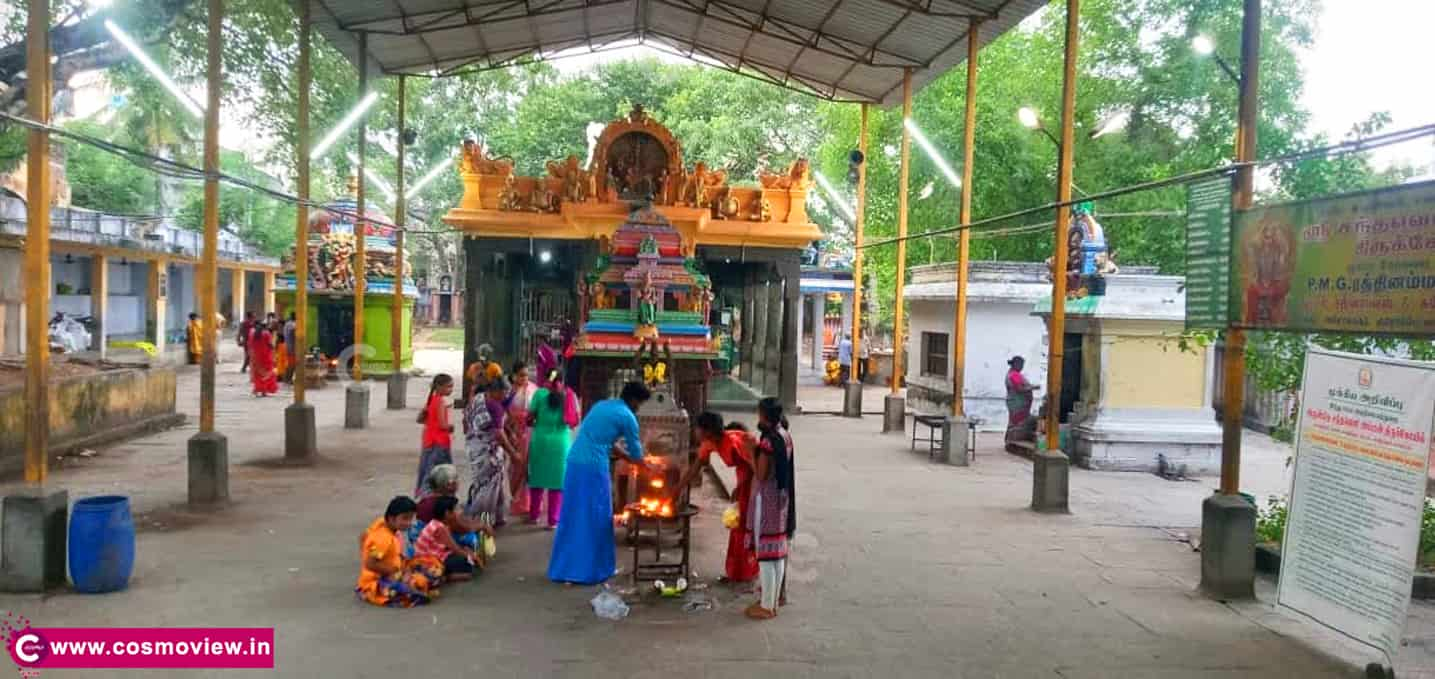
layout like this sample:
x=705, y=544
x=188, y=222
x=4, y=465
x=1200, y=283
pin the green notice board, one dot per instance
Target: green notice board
x=1208, y=253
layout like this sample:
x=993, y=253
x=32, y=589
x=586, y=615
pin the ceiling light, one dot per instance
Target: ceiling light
x=423, y=181
x=153, y=68
x=348, y=121
x=834, y=199
x=932, y=152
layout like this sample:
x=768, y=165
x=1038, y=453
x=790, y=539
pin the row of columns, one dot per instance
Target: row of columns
x=771, y=313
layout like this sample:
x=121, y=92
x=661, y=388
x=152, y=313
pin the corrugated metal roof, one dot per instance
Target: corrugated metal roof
x=849, y=50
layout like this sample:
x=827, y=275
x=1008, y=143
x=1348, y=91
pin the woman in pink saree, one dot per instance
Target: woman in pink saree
x=1020, y=425
x=519, y=432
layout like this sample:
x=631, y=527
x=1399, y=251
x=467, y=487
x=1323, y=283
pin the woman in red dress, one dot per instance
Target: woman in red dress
x=261, y=361
x=735, y=446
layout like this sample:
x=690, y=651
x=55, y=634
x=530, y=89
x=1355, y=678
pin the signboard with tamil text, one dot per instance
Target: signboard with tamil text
x=1358, y=494
x=1361, y=263
x=1208, y=253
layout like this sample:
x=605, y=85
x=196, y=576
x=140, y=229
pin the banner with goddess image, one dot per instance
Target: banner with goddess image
x=1360, y=262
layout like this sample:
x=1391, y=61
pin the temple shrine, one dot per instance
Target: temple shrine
x=331, y=286
x=636, y=250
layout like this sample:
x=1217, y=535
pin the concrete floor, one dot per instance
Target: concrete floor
x=902, y=568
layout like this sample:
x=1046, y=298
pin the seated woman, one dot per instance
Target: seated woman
x=436, y=542
x=385, y=577
x=442, y=482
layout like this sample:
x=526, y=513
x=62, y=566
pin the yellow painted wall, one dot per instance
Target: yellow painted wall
x=1149, y=371
x=83, y=406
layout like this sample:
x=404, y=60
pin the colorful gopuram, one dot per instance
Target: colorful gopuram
x=634, y=245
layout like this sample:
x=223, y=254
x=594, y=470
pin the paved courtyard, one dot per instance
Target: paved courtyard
x=902, y=568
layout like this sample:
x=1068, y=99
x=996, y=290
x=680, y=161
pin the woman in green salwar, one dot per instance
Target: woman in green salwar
x=553, y=412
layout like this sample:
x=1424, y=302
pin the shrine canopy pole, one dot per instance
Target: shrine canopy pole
x=396, y=324
x=37, y=244
x=857, y=225
x=301, y=228
x=361, y=262
x=898, y=325
x=964, y=244
x=1057, y=332
x=209, y=259
x=1234, y=359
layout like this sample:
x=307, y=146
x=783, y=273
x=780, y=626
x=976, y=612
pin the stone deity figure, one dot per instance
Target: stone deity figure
x=508, y=199
x=648, y=303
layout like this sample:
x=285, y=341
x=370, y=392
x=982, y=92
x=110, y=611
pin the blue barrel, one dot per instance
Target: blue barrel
x=102, y=544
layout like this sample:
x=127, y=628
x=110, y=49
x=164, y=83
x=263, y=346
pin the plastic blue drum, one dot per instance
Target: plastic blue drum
x=102, y=544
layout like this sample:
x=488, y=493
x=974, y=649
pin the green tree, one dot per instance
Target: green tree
x=102, y=181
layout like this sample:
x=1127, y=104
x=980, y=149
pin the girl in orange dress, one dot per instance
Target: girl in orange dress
x=385, y=579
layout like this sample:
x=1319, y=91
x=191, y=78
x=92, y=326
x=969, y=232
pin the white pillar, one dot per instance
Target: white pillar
x=99, y=302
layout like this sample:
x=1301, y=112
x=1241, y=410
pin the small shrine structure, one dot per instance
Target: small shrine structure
x=635, y=246
x=331, y=286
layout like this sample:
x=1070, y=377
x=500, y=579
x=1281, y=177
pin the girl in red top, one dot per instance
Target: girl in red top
x=735, y=446
x=438, y=432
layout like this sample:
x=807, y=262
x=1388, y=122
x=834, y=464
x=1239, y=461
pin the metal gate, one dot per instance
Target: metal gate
x=541, y=312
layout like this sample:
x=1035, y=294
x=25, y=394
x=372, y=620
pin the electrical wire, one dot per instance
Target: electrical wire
x=180, y=170
x=1343, y=148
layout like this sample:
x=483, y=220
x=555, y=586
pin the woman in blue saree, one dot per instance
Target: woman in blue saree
x=583, y=548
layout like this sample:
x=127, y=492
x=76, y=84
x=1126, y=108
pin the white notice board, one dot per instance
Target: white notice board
x=1362, y=451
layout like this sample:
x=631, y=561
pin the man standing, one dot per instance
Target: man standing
x=245, y=327
x=844, y=359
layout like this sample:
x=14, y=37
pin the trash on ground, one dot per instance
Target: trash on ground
x=609, y=606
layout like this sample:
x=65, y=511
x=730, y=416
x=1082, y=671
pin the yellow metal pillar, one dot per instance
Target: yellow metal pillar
x=398, y=383
x=209, y=257
x=894, y=408
x=356, y=396
x=208, y=453
x=100, y=302
x=852, y=400
x=301, y=227
x=1234, y=359
x=1057, y=331
x=899, y=324
x=300, y=436
x=361, y=262
x=959, y=335
x=37, y=245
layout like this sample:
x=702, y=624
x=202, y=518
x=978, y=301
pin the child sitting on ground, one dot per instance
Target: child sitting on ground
x=436, y=542
x=385, y=579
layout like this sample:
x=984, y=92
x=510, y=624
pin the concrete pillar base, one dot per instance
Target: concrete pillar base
x=301, y=442
x=1228, y=547
x=954, y=442
x=852, y=400
x=356, y=406
x=208, y=469
x=32, y=540
x=894, y=414
x=1050, y=482
x=398, y=391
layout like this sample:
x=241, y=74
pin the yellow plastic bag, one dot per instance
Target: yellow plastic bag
x=730, y=517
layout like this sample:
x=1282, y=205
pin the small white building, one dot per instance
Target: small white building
x=1000, y=325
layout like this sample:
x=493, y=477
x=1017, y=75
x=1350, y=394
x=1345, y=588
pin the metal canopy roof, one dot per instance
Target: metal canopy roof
x=846, y=50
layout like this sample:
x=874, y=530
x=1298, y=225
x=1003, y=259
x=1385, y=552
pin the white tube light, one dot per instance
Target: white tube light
x=428, y=177
x=932, y=152
x=835, y=199
x=149, y=64
x=348, y=121
x=374, y=178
